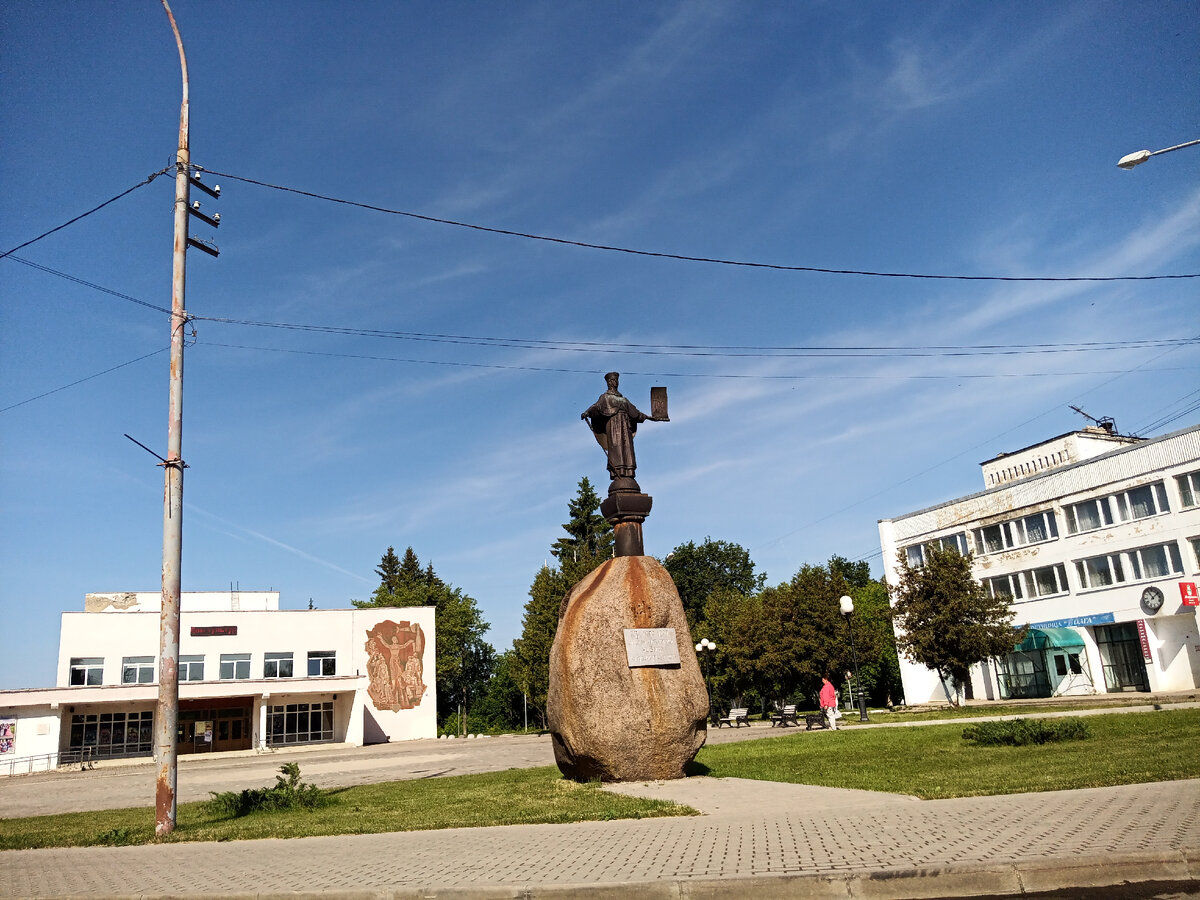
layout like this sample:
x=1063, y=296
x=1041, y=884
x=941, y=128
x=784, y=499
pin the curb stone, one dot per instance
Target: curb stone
x=1178, y=869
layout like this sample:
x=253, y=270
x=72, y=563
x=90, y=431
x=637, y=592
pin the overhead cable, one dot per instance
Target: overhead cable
x=750, y=375
x=148, y=179
x=686, y=258
x=93, y=285
x=742, y=350
x=82, y=380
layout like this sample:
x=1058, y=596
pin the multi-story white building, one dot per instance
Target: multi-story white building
x=251, y=676
x=1094, y=538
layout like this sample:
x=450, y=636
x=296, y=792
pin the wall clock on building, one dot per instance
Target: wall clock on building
x=1152, y=600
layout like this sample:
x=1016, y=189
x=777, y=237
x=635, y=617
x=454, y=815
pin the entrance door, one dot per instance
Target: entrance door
x=205, y=727
x=1121, y=656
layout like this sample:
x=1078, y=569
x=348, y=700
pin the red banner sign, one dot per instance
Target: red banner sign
x=213, y=630
x=1187, y=592
x=1145, y=639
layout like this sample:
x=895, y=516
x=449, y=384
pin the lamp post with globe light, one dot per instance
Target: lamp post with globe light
x=706, y=648
x=847, y=606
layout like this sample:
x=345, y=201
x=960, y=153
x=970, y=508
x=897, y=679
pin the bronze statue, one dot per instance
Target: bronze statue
x=614, y=421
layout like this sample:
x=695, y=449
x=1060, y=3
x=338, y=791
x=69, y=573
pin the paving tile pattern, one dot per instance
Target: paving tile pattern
x=778, y=839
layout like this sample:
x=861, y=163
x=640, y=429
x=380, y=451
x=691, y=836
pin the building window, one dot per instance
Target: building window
x=1100, y=571
x=300, y=723
x=322, y=662
x=1158, y=561
x=87, y=670
x=191, y=668
x=915, y=554
x=993, y=538
x=277, y=665
x=1047, y=581
x=113, y=734
x=1195, y=542
x=1088, y=515
x=235, y=666
x=1035, y=529
x=137, y=670
x=1142, y=502
x=1031, y=584
x=1189, y=489
x=1007, y=587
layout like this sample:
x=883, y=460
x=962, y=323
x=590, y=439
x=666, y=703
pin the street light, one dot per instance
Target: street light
x=706, y=648
x=847, y=605
x=1136, y=159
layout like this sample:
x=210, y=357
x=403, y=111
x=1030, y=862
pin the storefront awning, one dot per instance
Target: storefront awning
x=1045, y=638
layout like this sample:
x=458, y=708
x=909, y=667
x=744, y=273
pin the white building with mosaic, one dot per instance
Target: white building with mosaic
x=251, y=677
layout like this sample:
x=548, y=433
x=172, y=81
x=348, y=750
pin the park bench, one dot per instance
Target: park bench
x=785, y=717
x=738, y=717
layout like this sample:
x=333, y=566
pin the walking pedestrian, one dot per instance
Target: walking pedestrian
x=829, y=703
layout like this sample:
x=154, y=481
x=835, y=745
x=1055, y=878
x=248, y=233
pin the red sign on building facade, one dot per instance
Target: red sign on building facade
x=213, y=630
x=1188, y=593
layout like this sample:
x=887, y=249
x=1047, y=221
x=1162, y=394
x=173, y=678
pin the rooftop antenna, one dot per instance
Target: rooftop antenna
x=1108, y=423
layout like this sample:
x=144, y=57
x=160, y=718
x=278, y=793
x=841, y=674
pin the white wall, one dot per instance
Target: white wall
x=37, y=731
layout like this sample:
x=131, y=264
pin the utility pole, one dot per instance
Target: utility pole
x=166, y=714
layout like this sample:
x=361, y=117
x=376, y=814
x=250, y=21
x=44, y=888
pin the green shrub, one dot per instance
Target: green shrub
x=289, y=793
x=1021, y=732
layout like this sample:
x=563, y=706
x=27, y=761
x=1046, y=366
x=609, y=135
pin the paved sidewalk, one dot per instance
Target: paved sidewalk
x=775, y=840
x=765, y=838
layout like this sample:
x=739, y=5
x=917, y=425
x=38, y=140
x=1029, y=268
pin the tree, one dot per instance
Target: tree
x=589, y=539
x=699, y=570
x=464, y=659
x=502, y=706
x=947, y=621
x=880, y=672
x=404, y=582
x=855, y=574
x=589, y=542
x=531, y=651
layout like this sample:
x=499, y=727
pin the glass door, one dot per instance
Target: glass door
x=1121, y=656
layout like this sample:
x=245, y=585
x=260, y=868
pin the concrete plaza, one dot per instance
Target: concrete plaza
x=770, y=839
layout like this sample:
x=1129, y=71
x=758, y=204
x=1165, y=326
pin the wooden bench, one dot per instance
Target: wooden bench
x=738, y=717
x=785, y=717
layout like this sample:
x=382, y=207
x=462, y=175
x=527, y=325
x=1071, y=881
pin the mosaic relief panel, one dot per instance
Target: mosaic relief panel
x=394, y=668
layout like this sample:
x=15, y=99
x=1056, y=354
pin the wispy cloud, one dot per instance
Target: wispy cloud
x=241, y=532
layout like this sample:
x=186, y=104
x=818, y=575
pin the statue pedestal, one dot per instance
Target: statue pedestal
x=616, y=718
x=625, y=511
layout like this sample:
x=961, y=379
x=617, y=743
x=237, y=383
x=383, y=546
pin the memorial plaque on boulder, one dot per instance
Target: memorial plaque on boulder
x=622, y=706
x=651, y=647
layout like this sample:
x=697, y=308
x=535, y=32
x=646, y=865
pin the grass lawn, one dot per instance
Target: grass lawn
x=925, y=714
x=513, y=797
x=933, y=761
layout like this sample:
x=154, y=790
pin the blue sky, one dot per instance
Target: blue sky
x=953, y=139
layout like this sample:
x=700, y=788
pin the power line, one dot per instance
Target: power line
x=743, y=350
x=560, y=370
x=716, y=350
x=82, y=380
x=148, y=179
x=926, y=471
x=91, y=284
x=684, y=257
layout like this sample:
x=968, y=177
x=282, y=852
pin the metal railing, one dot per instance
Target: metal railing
x=47, y=762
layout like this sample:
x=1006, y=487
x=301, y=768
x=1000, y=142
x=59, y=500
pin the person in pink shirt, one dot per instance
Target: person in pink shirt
x=829, y=703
